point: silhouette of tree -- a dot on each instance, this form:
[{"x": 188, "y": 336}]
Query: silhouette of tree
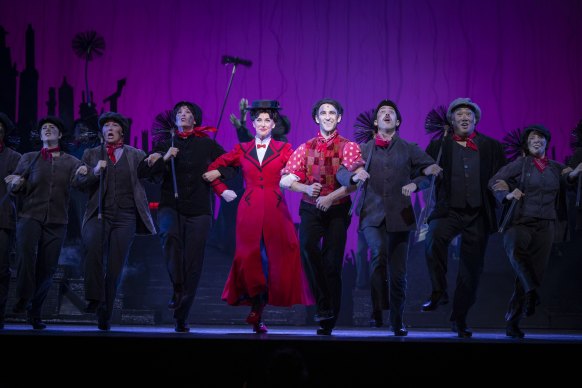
[{"x": 88, "y": 45}]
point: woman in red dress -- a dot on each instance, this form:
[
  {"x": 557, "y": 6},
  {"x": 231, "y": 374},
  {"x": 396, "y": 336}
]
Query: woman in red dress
[{"x": 267, "y": 263}]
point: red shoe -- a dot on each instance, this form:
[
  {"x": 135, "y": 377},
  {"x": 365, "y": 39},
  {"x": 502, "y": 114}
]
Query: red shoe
[
  {"x": 260, "y": 328},
  {"x": 253, "y": 318}
]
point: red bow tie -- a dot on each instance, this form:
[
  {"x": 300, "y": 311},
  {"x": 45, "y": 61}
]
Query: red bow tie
[
  {"x": 196, "y": 131},
  {"x": 382, "y": 143},
  {"x": 469, "y": 141},
  {"x": 541, "y": 163},
  {"x": 111, "y": 150},
  {"x": 322, "y": 144},
  {"x": 47, "y": 153},
  {"x": 261, "y": 146}
]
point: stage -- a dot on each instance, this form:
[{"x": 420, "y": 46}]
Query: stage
[{"x": 233, "y": 356}]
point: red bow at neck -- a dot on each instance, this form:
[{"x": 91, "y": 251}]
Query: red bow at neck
[
  {"x": 47, "y": 153},
  {"x": 323, "y": 143},
  {"x": 469, "y": 140},
  {"x": 111, "y": 150},
  {"x": 380, "y": 142},
  {"x": 196, "y": 131},
  {"x": 541, "y": 163}
]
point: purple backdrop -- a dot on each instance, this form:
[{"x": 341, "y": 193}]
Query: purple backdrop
[{"x": 520, "y": 60}]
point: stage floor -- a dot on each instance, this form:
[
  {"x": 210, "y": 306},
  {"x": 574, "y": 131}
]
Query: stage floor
[{"x": 303, "y": 333}]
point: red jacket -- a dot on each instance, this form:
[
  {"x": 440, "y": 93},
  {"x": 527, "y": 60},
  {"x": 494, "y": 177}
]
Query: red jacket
[{"x": 263, "y": 212}]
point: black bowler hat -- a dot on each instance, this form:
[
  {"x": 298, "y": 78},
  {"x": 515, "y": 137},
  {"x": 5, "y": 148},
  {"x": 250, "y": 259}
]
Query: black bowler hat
[
  {"x": 53, "y": 120},
  {"x": 194, "y": 109},
  {"x": 264, "y": 104},
  {"x": 545, "y": 132},
  {"x": 391, "y": 104},
  {"x": 116, "y": 117}
]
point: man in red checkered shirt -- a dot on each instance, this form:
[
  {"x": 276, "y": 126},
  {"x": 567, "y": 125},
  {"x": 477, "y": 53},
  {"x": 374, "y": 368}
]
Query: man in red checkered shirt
[{"x": 324, "y": 208}]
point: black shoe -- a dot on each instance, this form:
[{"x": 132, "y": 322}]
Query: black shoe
[
  {"x": 181, "y": 327},
  {"x": 324, "y": 331},
  {"x": 103, "y": 324},
  {"x": 20, "y": 306},
  {"x": 92, "y": 306},
  {"x": 37, "y": 324},
  {"x": 461, "y": 329},
  {"x": 323, "y": 316},
  {"x": 401, "y": 332},
  {"x": 513, "y": 331},
  {"x": 376, "y": 319},
  {"x": 436, "y": 298},
  {"x": 532, "y": 299}
]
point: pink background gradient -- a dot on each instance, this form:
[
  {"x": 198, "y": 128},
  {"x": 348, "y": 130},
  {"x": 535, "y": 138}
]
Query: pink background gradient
[{"x": 520, "y": 60}]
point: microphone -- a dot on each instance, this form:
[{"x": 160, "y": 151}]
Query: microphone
[{"x": 235, "y": 61}]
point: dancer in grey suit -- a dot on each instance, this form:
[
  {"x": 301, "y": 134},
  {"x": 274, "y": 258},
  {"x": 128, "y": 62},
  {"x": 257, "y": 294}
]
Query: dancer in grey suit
[
  {"x": 108, "y": 235},
  {"x": 396, "y": 168}
]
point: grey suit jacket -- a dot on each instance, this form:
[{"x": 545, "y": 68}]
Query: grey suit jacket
[
  {"x": 90, "y": 184},
  {"x": 46, "y": 190},
  {"x": 390, "y": 169}
]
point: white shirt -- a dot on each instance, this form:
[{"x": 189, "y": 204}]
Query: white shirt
[
  {"x": 261, "y": 151},
  {"x": 118, "y": 153},
  {"x": 287, "y": 181}
]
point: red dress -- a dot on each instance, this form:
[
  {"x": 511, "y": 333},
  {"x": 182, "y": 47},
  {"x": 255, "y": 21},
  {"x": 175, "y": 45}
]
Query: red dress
[{"x": 262, "y": 211}]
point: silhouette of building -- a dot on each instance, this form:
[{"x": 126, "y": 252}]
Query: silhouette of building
[
  {"x": 51, "y": 104},
  {"x": 66, "y": 104},
  {"x": 8, "y": 75},
  {"x": 28, "y": 93}
]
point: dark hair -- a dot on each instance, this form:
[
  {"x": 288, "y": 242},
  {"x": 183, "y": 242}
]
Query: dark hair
[
  {"x": 391, "y": 104},
  {"x": 273, "y": 114},
  {"x": 318, "y": 104},
  {"x": 195, "y": 109}
]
